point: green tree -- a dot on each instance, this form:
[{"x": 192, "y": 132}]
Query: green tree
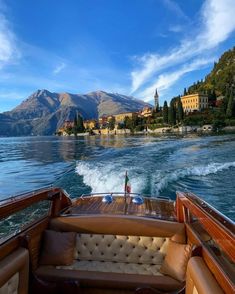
[
  {"x": 185, "y": 91},
  {"x": 230, "y": 106},
  {"x": 78, "y": 125},
  {"x": 135, "y": 120},
  {"x": 180, "y": 111},
  {"x": 165, "y": 112},
  {"x": 172, "y": 114},
  {"x": 111, "y": 124}
]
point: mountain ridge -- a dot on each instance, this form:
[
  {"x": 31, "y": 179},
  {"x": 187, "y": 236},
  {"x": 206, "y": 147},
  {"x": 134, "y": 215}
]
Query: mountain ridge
[{"x": 43, "y": 112}]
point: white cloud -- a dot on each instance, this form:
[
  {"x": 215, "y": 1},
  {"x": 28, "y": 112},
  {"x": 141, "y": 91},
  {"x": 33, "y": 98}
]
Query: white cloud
[
  {"x": 59, "y": 68},
  {"x": 217, "y": 22},
  {"x": 166, "y": 80},
  {"x": 8, "y": 48}
]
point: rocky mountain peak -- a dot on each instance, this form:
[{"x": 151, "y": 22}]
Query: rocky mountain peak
[{"x": 43, "y": 112}]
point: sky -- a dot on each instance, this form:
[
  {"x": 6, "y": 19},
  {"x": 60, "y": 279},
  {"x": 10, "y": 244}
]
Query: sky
[{"x": 129, "y": 47}]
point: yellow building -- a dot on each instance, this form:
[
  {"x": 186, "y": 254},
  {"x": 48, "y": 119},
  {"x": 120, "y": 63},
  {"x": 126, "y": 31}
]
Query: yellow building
[
  {"x": 194, "y": 102},
  {"x": 90, "y": 124},
  {"x": 119, "y": 118},
  {"x": 146, "y": 112}
]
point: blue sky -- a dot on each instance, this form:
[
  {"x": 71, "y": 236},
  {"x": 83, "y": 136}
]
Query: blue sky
[{"x": 125, "y": 46}]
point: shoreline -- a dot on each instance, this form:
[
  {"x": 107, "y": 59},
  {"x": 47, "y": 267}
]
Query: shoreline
[{"x": 227, "y": 131}]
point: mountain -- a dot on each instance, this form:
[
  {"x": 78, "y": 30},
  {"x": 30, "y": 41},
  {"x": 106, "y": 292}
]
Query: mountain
[
  {"x": 44, "y": 112},
  {"x": 221, "y": 78}
]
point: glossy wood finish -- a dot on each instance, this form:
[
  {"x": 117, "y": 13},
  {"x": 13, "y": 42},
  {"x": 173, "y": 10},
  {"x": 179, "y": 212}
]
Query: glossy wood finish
[
  {"x": 221, "y": 274},
  {"x": 205, "y": 226},
  {"x": 154, "y": 208},
  {"x": 15, "y": 204},
  {"x": 218, "y": 227}
]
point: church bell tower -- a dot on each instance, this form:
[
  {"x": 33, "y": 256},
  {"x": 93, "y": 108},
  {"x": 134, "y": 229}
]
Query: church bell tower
[{"x": 156, "y": 100}]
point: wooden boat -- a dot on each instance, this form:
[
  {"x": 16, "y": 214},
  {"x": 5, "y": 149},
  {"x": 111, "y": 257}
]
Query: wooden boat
[{"x": 50, "y": 243}]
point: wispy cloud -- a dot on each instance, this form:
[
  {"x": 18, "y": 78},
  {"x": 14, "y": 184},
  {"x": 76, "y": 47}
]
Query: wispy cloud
[
  {"x": 176, "y": 28},
  {"x": 59, "y": 68},
  {"x": 217, "y": 22},
  {"x": 8, "y": 48},
  {"x": 166, "y": 80},
  {"x": 175, "y": 8}
]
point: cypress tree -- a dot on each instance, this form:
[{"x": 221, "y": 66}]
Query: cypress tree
[
  {"x": 172, "y": 114},
  {"x": 165, "y": 112},
  {"x": 80, "y": 126},
  {"x": 185, "y": 92},
  {"x": 75, "y": 124},
  {"x": 224, "y": 104},
  {"x": 230, "y": 107},
  {"x": 180, "y": 110}
]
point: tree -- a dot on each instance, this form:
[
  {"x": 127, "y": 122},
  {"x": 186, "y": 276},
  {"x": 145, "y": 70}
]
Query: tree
[
  {"x": 112, "y": 123},
  {"x": 172, "y": 114},
  {"x": 180, "y": 111},
  {"x": 165, "y": 112},
  {"x": 230, "y": 106},
  {"x": 185, "y": 91},
  {"x": 78, "y": 124},
  {"x": 224, "y": 104},
  {"x": 135, "y": 120}
]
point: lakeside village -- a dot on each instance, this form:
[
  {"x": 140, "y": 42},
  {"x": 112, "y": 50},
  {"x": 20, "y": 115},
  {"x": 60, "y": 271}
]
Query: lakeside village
[{"x": 198, "y": 113}]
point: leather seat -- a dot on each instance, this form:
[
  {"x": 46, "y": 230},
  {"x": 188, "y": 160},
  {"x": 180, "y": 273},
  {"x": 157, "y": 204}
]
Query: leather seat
[
  {"x": 14, "y": 272},
  {"x": 95, "y": 279},
  {"x": 199, "y": 279}
]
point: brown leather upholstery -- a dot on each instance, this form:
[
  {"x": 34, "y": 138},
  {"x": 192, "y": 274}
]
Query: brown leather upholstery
[
  {"x": 176, "y": 260},
  {"x": 120, "y": 225},
  {"x": 58, "y": 248},
  {"x": 199, "y": 279},
  {"x": 92, "y": 279},
  {"x": 152, "y": 236},
  {"x": 13, "y": 265}
]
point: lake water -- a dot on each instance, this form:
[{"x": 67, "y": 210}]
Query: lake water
[{"x": 155, "y": 165}]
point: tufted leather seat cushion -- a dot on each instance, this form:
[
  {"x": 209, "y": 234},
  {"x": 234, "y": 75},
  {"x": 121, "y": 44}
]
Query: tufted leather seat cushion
[
  {"x": 114, "y": 267},
  {"x": 96, "y": 279},
  {"x": 11, "y": 286},
  {"x": 14, "y": 270},
  {"x": 115, "y": 261},
  {"x": 121, "y": 249}
]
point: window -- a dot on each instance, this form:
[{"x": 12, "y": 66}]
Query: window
[{"x": 16, "y": 222}]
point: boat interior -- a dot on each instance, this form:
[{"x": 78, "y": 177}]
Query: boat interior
[{"x": 114, "y": 243}]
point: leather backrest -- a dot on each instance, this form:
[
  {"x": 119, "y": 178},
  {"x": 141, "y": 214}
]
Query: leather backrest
[
  {"x": 199, "y": 279},
  {"x": 128, "y": 249},
  {"x": 14, "y": 271},
  {"x": 120, "y": 225}
]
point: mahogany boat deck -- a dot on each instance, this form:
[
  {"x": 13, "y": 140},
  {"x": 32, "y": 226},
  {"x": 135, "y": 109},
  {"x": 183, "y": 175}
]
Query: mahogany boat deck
[{"x": 153, "y": 208}]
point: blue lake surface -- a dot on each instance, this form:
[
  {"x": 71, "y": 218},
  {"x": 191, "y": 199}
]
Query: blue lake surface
[{"x": 156, "y": 166}]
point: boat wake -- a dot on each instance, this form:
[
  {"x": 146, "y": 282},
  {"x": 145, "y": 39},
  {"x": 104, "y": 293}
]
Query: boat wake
[
  {"x": 161, "y": 182},
  {"x": 110, "y": 177}
]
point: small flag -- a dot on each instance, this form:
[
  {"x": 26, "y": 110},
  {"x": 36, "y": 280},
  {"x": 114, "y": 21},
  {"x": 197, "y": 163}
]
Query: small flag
[{"x": 127, "y": 185}]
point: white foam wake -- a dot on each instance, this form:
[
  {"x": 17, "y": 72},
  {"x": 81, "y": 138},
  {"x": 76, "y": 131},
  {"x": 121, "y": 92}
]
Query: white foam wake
[
  {"x": 107, "y": 177},
  {"x": 200, "y": 171}
]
